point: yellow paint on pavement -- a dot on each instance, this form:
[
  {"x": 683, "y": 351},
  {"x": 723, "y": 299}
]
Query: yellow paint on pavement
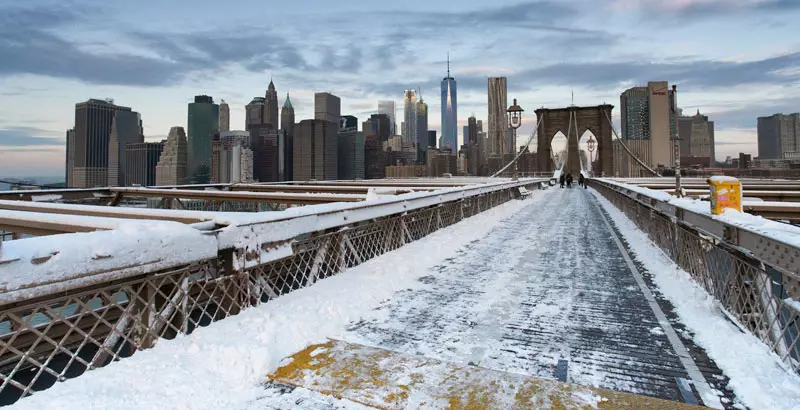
[{"x": 389, "y": 380}]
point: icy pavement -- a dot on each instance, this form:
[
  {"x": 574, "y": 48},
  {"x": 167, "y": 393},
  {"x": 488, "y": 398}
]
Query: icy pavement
[{"x": 548, "y": 286}]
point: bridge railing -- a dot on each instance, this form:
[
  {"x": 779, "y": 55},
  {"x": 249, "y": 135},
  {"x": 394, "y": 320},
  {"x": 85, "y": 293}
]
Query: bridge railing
[
  {"x": 52, "y": 330},
  {"x": 755, "y": 276}
]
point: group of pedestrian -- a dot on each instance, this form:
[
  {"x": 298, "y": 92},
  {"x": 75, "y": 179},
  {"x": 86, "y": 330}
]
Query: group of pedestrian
[{"x": 568, "y": 180}]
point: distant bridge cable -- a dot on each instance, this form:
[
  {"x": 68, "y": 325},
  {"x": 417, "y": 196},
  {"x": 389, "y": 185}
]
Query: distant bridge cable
[
  {"x": 522, "y": 151},
  {"x": 626, "y": 147}
]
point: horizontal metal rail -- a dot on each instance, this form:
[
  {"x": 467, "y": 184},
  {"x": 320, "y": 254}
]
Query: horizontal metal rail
[
  {"x": 755, "y": 277},
  {"x": 57, "y": 331}
]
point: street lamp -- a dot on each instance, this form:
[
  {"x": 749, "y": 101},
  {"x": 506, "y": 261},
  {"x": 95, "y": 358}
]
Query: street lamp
[
  {"x": 514, "y": 122},
  {"x": 591, "y": 145}
]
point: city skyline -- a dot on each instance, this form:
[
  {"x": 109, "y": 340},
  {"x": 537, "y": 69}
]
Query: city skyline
[{"x": 157, "y": 71}]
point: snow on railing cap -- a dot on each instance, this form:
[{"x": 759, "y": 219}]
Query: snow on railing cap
[{"x": 722, "y": 178}]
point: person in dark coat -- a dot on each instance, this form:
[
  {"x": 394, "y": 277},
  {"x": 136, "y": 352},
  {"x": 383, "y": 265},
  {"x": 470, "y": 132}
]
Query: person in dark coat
[
  {"x": 569, "y": 180},
  {"x": 561, "y": 179},
  {"x": 581, "y": 180}
]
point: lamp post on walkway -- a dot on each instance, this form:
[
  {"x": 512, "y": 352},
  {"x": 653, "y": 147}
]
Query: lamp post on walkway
[
  {"x": 591, "y": 145},
  {"x": 514, "y": 122}
]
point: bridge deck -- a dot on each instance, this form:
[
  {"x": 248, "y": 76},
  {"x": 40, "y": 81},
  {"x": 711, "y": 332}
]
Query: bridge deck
[{"x": 551, "y": 294}]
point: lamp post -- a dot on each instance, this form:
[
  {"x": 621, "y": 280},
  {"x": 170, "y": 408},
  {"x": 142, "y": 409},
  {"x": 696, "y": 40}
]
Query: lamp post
[
  {"x": 514, "y": 122},
  {"x": 591, "y": 145}
]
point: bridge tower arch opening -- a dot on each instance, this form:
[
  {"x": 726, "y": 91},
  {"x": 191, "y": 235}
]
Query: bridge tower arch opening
[
  {"x": 558, "y": 146},
  {"x": 574, "y": 122}
]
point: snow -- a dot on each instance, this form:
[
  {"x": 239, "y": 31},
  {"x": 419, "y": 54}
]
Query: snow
[
  {"x": 785, "y": 233},
  {"x": 224, "y": 365},
  {"x": 41, "y": 265},
  {"x": 722, "y": 179},
  {"x": 45, "y": 198},
  {"x": 756, "y": 374}
]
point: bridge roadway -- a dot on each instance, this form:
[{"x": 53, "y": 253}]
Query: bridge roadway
[{"x": 549, "y": 293}]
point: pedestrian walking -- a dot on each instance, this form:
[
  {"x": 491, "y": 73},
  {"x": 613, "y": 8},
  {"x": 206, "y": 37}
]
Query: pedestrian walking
[{"x": 561, "y": 179}]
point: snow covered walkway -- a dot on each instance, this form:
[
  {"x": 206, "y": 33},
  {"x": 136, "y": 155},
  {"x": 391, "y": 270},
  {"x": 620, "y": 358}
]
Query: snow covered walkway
[{"x": 549, "y": 286}]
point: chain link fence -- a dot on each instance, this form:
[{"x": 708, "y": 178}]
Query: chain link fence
[
  {"x": 61, "y": 336},
  {"x": 757, "y": 297}
]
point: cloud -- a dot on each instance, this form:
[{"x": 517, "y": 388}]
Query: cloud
[
  {"x": 701, "y": 9},
  {"x": 699, "y": 74},
  {"x": 28, "y": 136}
]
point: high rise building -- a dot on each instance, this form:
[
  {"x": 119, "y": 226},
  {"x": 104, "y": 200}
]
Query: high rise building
[
  {"x": 350, "y": 151},
  {"x": 271, "y": 106},
  {"x": 172, "y": 165},
  {"x": 286, "y": 139},
  {"x": 327, "y": 107},
  {"x": 697, "y": 137},
  {"x": 376, "y": 132},
  {"x": 264, "y": 142},
  {"x": 431, "y": 139},
  {"x": 203, "y": 121},
  {"x": 390, "y": 109},
  {"x": 90, "y": 143},
  {"x": 471, "y": 135},
  {"x": 254, "y": 113},
  {"x": 778, "y": 135},
  {"x": 421, "y": 139},
  {"x": 498, "y": 122},
  {"x": 648, "y": 126},
  {"x": 224, "y": 116},
  {"x": 315, "y": 150},
  {"x": 141, "y": 159},
  {"x": 126, "y": 128},
  {"x": 232, "y": 159},
  {"x": 409, "y": 116},
  {"x": 449, "y": 111},
  {"x": 70, "y": 160}
]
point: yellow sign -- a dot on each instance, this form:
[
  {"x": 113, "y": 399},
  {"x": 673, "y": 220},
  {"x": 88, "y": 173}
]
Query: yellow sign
[{"x": 726, "y": 192}]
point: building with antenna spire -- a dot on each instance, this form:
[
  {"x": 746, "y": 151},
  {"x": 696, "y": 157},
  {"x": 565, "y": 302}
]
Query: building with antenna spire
[{"x": 449, "y": 138}]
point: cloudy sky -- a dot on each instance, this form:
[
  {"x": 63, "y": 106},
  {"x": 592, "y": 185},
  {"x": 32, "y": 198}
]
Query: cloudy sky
[{"x": 731, "y": 59}]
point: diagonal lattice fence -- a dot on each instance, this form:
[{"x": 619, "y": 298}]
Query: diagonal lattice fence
[
  {"x": 762, "y": 299},
  {"x": 61, "y": 335}
]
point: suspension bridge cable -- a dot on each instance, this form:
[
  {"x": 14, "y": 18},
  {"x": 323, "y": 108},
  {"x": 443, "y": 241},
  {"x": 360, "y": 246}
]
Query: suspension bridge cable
[
  {"x": 626, "y": 147},
  {"x": 533, "y": 134}
]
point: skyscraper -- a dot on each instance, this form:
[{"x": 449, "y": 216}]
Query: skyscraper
[
  {"x": 471, "y": 136},
  {"x": 350, "y": 149},
  {"x": 449, "y": 111},
  {"x": 91, "y": 138},
  {"x": 171, "y": 168},
  {"x": 327, "y": 107},
  {"x": 203, "y": 123},
  {"x": 126, "y": 128},
  {"x": 286, "y": 138},
  {"x": 431, "y": 139},
  {"x": 390, "y": 109},
  {"x": 498, "y": 124},
  {"x": 648, "y": 125},
  {"x": 315, "y": 150},
  {"x": 376, "y": 131},
  {"x": 778, "y": 135},
  {"x": 271, "y": 106},
  {"x": 141, "y": 159},
  {"x": 254, "y": 113},
  {"x": 70, "y": 160},
  {"x": 224, "y": 116},
  {"x": 422, "y": 130},
  {"x": 409, "y": 117},
  {"x": 697, "y": 137}
]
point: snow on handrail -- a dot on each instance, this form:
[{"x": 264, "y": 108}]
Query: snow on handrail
[
  {"x": 38, "y": 266},
  {"x": 774, "y": 243}
]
